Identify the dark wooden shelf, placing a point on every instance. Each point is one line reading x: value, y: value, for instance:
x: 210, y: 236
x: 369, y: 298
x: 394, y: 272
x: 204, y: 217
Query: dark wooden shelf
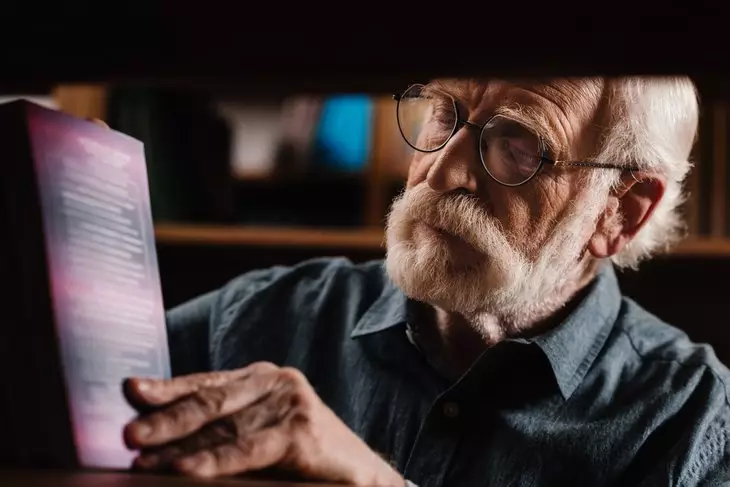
x: 212, y: 235
x: 702, y: 247
x: 358, y: 238
x: 305, y: 179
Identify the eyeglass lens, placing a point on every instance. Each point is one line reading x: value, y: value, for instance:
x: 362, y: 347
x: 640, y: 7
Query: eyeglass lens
x: 510, y: 152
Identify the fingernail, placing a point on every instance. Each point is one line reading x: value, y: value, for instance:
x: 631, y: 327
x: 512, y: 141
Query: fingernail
x: 142, y: 430
x: 191, y: 463
x: 144, y: 385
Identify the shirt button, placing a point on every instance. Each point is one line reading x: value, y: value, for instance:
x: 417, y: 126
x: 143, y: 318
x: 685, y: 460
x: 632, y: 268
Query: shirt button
x: 451, y: 409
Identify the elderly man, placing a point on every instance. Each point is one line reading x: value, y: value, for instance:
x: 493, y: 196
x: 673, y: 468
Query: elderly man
x: 492, y: 346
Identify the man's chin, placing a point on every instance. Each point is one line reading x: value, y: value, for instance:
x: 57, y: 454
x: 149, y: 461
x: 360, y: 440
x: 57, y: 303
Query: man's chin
x: 433, y: 272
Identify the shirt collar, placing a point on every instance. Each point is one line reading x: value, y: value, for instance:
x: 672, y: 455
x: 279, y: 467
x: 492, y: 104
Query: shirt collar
x: 571, y: 348
x: 390, y: 309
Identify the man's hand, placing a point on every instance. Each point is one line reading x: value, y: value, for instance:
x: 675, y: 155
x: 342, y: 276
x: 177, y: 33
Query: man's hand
x: 261, y: 416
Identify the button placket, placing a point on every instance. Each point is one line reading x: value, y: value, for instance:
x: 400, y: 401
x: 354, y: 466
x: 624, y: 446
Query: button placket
x: 436, y: 442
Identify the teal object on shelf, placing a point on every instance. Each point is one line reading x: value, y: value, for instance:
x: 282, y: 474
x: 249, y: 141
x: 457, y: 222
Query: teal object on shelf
x: 344, y: 133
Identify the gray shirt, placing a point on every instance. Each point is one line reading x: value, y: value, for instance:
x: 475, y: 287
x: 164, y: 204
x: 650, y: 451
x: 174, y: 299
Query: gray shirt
x: 612, y: 396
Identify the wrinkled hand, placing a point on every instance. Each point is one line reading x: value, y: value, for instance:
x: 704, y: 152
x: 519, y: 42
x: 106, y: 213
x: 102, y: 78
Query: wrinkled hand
x: 261, y: 416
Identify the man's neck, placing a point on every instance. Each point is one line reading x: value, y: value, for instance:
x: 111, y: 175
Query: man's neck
x: 454, y: 342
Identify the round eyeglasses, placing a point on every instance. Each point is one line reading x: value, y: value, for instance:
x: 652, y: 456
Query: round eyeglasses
x: 511, y: 153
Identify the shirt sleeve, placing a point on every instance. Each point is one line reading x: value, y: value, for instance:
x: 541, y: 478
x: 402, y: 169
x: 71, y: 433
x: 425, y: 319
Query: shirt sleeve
x: 188, y: 332
x: 264, y: 314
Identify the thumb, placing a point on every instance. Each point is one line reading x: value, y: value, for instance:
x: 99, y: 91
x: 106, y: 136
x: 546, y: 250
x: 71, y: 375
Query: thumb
x: 147, y: 392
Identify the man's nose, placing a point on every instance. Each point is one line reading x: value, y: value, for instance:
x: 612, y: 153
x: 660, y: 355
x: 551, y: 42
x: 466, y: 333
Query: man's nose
x: 457, y: 165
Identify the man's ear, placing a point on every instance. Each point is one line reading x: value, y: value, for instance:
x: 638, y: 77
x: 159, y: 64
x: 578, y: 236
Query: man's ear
x: 629, y: 207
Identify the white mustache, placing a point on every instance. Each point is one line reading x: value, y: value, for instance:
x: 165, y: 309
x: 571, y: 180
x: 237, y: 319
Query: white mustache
x: 460, y: 215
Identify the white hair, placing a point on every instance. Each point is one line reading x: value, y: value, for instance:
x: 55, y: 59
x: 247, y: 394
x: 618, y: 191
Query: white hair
x: 654, y: 125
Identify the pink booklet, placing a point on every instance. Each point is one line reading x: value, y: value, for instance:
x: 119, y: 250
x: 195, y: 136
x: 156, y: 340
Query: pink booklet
x: 81, y: 287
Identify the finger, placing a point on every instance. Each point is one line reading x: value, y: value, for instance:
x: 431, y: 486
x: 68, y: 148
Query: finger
x: 259, y: 450
x: 160, y: 458
x: 158, y: 392
x: 130, y: 391
x: 262, y: 414
x: 192, y: 412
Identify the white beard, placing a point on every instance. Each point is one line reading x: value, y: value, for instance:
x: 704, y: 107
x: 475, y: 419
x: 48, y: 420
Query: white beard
x: 493, y: 284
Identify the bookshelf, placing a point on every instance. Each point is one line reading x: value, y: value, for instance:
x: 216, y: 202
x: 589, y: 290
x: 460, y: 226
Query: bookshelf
x: 368, y: 192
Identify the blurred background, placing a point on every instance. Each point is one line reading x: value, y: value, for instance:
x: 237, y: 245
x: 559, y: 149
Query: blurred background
x: 240, y: 183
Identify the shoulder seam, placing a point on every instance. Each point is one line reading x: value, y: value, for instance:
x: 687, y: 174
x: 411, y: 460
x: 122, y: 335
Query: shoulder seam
x: 715, y: 441
x: 226, y: 309
x: 720, y: 379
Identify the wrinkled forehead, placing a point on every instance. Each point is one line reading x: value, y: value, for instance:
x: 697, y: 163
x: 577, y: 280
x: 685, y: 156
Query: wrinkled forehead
x: 574, y: 94
x: 565, y: 107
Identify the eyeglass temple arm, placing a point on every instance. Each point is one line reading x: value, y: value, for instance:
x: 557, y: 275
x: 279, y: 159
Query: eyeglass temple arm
x: 596, y: 165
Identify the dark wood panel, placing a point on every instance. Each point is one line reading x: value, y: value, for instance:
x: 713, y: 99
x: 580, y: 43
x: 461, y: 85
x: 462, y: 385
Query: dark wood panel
x: 374, y: 50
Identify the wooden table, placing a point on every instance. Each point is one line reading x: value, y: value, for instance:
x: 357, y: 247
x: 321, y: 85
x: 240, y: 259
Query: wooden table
x: 47, y: 478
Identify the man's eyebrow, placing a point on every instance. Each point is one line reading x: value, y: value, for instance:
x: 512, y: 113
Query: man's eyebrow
x: 534, y: 120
